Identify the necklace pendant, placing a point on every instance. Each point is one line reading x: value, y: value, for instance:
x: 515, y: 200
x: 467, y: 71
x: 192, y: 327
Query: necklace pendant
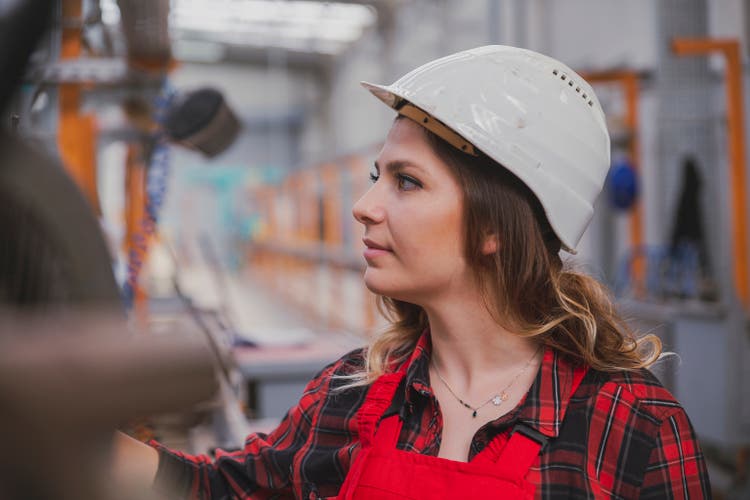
x: 499, y: 398
x: 474, y: 414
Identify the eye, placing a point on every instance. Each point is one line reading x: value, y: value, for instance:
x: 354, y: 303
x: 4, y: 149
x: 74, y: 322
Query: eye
x: 374, y: 173
x: 406, y: 183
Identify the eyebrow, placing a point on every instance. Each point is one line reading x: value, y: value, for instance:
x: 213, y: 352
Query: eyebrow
x: 398, y: 165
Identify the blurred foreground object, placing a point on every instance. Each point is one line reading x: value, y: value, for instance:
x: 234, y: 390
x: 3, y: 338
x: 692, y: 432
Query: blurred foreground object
x: 22, y: 24
x: 70, y: 371
x: 67, y: 380
x: 201, y: 120
x: 53, y: 250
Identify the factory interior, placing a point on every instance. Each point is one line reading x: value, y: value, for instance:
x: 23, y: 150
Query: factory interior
x: 178, y: 255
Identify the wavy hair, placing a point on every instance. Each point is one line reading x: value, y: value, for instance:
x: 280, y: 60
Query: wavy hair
x: 525, y: 285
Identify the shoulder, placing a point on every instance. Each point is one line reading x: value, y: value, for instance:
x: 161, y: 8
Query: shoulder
x: 336, y: 373
x: 614, y: 410
x: 642, y: 438
x: 348, y: 364
x: 627, y: 410
x: 638, y: 389
x: 630, y: 429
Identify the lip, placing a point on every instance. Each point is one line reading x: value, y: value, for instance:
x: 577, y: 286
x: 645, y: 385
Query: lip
x: 372, y: 245
x: 373, y: 249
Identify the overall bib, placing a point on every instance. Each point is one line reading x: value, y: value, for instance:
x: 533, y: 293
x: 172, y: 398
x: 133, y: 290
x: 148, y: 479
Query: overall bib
x: 381, y: 471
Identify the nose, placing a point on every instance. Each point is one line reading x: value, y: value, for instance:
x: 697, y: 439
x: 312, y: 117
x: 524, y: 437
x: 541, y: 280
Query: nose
x: 368, y: 209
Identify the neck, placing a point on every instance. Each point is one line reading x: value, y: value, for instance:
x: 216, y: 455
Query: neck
x: 470, y: 347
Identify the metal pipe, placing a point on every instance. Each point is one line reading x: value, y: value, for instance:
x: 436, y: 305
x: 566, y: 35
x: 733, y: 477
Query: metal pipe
x: 628, y: 81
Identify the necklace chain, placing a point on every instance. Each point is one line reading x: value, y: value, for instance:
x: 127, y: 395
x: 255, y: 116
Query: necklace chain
x: 496, y: 399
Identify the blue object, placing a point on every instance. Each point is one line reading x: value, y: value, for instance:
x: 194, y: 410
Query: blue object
x: 157, y: 177
x: 622, y: 185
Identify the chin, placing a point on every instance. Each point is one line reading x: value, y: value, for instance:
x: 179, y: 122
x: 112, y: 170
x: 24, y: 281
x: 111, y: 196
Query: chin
x: 377, y: 283
x: 376, y: 287
x: 387, y: 288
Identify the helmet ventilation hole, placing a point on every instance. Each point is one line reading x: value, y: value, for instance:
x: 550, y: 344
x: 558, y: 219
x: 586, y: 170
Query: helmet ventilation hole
x: 571, y: 83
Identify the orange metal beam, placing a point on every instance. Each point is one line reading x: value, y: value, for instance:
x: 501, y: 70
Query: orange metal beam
x: 135, y: 214
x: 307, y: 199
x: 628, y: 81
x: 71, y: 33
x: 331, y: 177
x: 730, y: 49
x: 77, y: 142
x: 77, y: 132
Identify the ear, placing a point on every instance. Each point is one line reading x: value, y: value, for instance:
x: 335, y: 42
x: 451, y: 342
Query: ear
x: 490, y: 244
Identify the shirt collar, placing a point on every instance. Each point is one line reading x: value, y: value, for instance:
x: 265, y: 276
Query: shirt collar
x: 544, y: 405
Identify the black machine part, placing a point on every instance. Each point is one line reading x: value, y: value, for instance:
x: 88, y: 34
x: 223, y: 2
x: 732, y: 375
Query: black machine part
x: 201, y: 120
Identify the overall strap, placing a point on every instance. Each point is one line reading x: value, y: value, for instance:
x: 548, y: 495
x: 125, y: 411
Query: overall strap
x: 524, y: 444
x: 378, y: 399
x: 376, y: 402
x: 521, y: 450
x: 387, y: 433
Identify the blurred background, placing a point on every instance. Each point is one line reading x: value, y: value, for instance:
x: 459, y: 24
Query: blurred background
x: 182, y: 172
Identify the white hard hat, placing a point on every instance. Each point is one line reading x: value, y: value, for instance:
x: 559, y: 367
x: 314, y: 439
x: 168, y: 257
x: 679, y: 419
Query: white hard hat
x: 528, y: 112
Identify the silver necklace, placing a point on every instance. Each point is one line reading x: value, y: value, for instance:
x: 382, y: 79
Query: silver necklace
x: 497, y: 399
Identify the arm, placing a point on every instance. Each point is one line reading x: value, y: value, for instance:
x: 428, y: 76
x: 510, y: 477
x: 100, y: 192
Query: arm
x: 267, y: 466
x: 676, y: 467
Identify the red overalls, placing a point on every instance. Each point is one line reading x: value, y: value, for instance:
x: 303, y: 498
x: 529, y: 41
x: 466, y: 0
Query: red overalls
x: 382, y: 472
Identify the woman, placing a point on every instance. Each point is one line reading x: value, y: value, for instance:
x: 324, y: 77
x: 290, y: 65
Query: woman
x: 503, y: 375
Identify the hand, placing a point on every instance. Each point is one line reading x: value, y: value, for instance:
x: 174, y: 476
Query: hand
x: 134, y: 464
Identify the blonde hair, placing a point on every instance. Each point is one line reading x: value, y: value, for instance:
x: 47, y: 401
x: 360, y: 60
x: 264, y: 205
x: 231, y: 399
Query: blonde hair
x: 524, y: 283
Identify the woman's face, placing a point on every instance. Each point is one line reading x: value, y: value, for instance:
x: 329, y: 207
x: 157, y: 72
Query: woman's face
x: 413, y: 218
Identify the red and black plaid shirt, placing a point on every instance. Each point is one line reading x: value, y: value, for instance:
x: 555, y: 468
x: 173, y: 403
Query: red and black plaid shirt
x: 622, y: 436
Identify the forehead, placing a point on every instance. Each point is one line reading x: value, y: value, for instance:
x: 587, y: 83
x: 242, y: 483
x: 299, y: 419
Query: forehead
x: 406, y: 141
x: 405, y: 130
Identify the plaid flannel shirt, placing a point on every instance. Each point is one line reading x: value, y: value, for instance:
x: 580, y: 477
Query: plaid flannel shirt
x: 621, y: 435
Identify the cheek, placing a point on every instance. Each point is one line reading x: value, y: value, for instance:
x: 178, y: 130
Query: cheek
x: 429, y: 254
x: 437, y: 236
